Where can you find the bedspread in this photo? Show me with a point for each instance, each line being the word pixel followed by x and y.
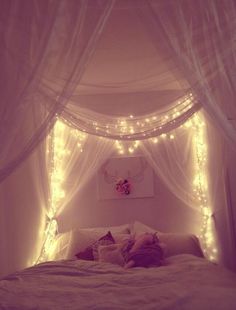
pixel 186 282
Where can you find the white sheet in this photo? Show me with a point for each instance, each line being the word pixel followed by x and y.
pixel 187 283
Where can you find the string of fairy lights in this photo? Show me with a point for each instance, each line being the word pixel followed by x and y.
pixel 59 154
pixel 200 186
pixel 133 127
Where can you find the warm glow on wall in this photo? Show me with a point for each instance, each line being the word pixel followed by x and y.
pixel 59 154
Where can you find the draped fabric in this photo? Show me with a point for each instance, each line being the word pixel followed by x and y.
pixel 45 46
pixel 83 60
pixel 124 70
pixel 73 159
pixel 172 161
pixel 201 35
pixel 81 164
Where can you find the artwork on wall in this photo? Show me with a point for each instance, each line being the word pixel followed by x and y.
pixel 125 177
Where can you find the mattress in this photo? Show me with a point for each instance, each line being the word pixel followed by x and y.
pixel 185 282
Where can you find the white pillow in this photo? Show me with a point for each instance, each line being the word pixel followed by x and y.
pixel 121 229
pixel 83 238
pixel 175 243
pixel 60 246
pixel 111 254
pixel 67 244
pixel 139 228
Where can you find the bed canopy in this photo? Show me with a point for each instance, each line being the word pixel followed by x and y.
pixel 81 80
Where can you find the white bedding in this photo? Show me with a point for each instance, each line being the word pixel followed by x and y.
pixel 188 282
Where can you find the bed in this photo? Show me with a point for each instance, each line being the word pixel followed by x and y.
pixel 185 281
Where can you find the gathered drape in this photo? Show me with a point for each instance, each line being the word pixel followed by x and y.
pixel 201 35
pixel 81 164
pixel 43 56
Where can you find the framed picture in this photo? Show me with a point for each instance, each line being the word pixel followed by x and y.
pixel 125 178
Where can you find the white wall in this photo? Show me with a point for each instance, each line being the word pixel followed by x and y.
pixel 163 211
pixel 20 219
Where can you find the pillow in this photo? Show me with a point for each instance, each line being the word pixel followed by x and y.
pixel 111 254
pixel 60 246
pixel 174 243
pixel 177 243
pixel 105 240
pixel 139 228
pixel 83 244
pixel 85 237
pixel 86 254
pixel 120 238
pixel 80 240
pixel 121 229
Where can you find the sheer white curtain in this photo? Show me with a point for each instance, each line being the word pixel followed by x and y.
pixel 172 161
pixel 45 46
pixel 73 158
pixel 219 188
pixel 80 167
pixel 201 36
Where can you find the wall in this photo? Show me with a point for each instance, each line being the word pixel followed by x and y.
pixel 20 218
pixel 163 211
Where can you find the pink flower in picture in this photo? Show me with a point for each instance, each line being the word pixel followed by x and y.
pixel 123 186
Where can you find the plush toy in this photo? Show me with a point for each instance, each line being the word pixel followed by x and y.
pixel 145 252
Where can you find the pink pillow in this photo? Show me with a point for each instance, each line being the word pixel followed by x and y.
pixel 87 254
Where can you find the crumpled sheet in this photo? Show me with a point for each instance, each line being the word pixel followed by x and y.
pixel 186 282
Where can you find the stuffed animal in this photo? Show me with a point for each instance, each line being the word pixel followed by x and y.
pixel 146 252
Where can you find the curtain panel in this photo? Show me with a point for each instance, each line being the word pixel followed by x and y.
pixel 43 43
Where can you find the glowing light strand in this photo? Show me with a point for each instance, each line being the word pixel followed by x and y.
pixel 131 128
pixel 200 177
pixel 200 186
pixel 57 154
pixel 51 224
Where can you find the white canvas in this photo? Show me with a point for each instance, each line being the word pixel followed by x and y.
pixel 133 169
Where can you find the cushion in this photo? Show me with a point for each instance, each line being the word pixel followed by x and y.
pixel 139 228
pixel 104 240
pixel 84 243
pixel 76 241
pixel 86 254
pixel 174 243
pixel 120 238
pixel 177 243
pixel 121 229
pixel 111 254
pixel 60 246
pixel 85 237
